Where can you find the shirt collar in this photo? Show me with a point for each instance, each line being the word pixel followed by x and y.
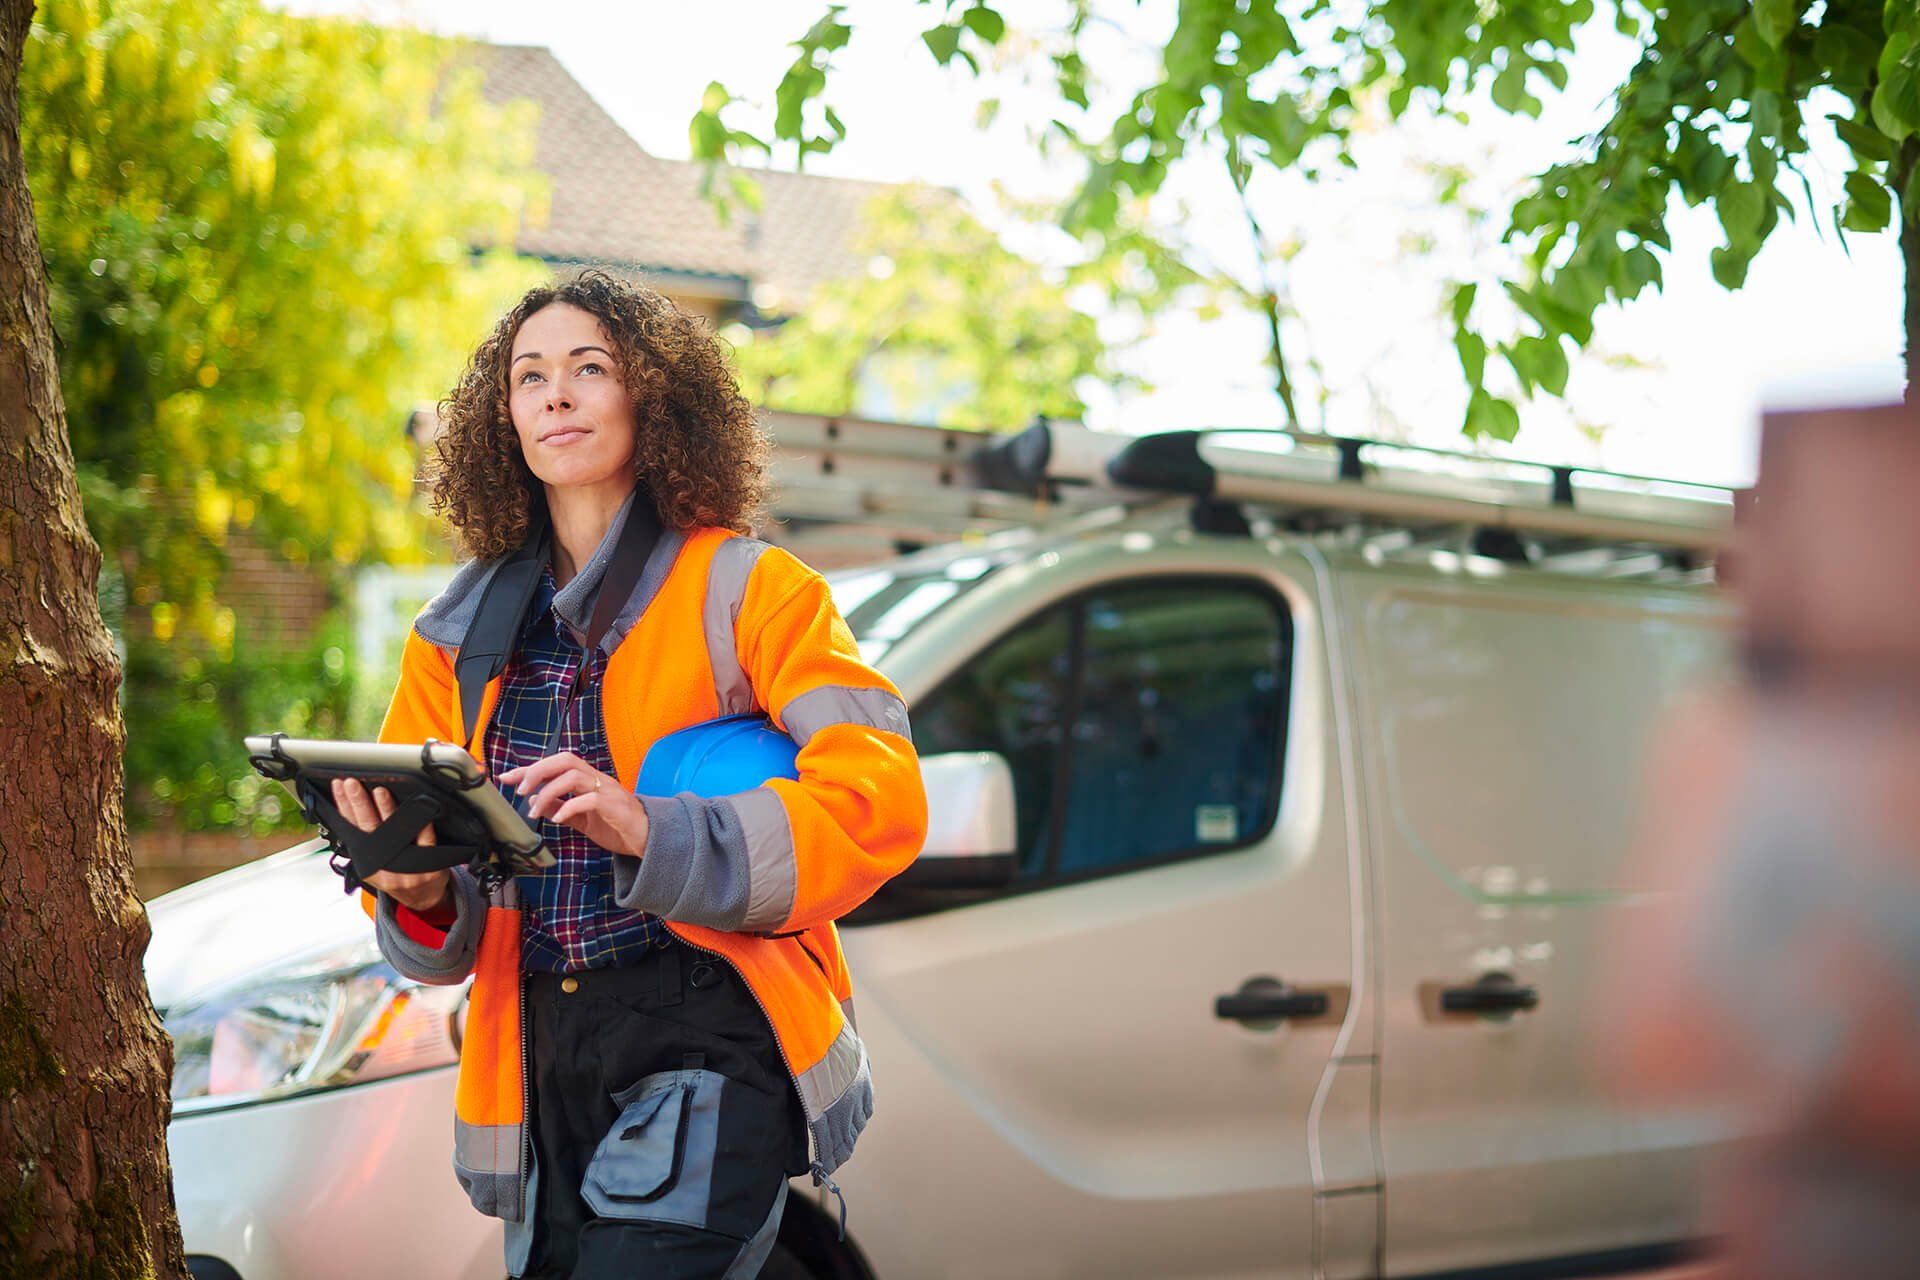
pixel 574 602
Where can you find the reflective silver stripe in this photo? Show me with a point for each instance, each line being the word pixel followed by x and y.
pixel 486 1161
pixel 727 576
pixel 815 709
pixel 772 878
pixel 754 1253
pixel 486 1148
pixel 822 1084
pixel 846 1007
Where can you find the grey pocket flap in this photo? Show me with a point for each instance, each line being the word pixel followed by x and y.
pixel 640 1156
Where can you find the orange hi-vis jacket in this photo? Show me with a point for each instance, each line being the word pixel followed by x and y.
pixel 718 624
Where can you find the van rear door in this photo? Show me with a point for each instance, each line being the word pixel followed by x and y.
pixel 1505 725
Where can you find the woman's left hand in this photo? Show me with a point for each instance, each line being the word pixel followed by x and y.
pixel 599 808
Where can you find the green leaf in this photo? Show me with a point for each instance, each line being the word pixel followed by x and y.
pixel 1633 270
pixel 706 136
pixel 1510 88
pixel 1550 364
pixel 1910 200
pixel 1742 207
pixel 1506 419
pixel 1868 143
pixel 1479 420
pixel 1776 19
pixel 1730 267
pixel 1473 356
pixel 829 33
pixel 985 23
pixel 1869 203
pixel 1462 303
pixel 943 41
pixel 1555 72
pixel 1847 53
pixel 1896 102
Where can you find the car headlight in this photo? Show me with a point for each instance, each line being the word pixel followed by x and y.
pixel 340 1018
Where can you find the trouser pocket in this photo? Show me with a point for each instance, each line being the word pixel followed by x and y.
pixel 693 1148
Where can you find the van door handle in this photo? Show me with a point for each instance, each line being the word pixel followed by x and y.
pixel 1265 1002
pixel 1493 993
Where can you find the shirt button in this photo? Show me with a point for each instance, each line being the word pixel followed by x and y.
pixel 569 984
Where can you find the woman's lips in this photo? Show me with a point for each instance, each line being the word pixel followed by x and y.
pixel 564 437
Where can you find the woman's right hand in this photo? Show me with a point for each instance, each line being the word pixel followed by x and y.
pixel 420 892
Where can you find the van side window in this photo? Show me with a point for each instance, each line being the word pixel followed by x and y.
pixel 1011 699
pixel 1179 723
pixel 1176 694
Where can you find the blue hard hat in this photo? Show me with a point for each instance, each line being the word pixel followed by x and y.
pixel 718 758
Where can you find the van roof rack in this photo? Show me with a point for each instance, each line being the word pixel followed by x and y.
pixel 918 484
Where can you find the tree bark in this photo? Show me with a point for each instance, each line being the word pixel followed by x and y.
pixel 85 1188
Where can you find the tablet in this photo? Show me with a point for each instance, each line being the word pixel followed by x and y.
pixel 473 816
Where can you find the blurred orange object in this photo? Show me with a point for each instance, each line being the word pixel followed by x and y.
pixel 1779 971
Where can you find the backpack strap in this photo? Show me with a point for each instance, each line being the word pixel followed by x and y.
pixel 496 624
pixel 495 629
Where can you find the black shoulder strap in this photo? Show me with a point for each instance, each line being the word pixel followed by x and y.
pixel 630 555
pixel 495 629
pixel 496 623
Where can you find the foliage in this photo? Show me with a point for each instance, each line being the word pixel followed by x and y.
pixel 259 237
pixel 1716 109
pixel 946 325
pixel 187 766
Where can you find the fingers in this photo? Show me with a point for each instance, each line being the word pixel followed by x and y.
pixel 576 781
pixel 367 811
pixel 350 797
pixel 384 799
pixel 528 777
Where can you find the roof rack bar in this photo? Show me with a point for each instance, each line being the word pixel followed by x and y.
pixel 850 471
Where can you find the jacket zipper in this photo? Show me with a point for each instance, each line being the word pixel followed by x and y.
pixel 526 1106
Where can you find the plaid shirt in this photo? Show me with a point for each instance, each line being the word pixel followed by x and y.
pixel 571 921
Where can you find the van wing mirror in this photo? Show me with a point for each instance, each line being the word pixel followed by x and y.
pixel 971 836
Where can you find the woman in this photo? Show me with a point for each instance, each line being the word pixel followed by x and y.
pixel 688 1042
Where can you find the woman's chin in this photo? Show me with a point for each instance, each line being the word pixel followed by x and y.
pixel 579 473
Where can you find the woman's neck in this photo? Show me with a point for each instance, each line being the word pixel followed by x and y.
pixel 581 517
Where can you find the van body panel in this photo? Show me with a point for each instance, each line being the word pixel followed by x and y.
pixel 1077 1107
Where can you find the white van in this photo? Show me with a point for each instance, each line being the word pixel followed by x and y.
pixel 1274 841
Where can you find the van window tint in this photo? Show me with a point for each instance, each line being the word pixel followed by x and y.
pixel 1176 693
pixel 1179 723
pixel 1011 699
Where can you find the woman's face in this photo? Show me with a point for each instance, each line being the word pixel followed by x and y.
pixel 568 404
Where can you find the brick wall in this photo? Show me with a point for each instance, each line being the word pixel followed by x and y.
pixel 275 604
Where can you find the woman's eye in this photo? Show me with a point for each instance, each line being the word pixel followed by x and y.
pixel 596 368
pixel 528 374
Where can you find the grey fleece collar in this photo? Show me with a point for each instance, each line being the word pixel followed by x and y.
pixel 445 620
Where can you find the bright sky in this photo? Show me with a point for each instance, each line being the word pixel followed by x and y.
pixel 1810 315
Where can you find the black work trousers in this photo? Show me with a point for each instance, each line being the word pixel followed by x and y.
pixel 665 1124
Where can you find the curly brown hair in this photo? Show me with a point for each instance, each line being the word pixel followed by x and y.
pixel 699 450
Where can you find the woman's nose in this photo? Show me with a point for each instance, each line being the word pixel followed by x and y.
pixel 558 399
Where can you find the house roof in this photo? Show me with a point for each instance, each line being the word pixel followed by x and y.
pixel 613 202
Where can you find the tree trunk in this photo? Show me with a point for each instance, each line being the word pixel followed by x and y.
pixel 85 1189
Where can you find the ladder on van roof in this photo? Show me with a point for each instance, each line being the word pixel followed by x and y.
pixel 859 488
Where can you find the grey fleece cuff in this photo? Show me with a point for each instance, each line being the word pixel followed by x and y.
pixel 694 868
pixel 453 959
